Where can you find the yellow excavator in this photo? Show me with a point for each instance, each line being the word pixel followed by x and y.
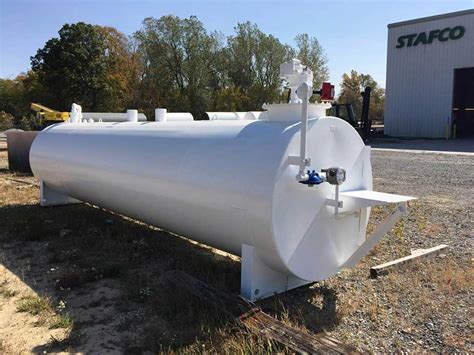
pixel 47 116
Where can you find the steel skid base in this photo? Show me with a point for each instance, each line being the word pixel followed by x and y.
pixel 49 197
pixel 259 281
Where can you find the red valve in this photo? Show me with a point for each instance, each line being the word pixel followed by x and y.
pixel 327 92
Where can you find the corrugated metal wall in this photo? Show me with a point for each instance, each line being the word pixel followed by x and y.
pixel 419 84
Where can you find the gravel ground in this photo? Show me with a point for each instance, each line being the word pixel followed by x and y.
pixel 427 308
pixel 444 185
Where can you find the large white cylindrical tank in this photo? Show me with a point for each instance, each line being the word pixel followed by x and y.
pixel 224 116
pixel 110 116
pixel 240 115
pixel 252 115
pixel 162 115
pixel 179 116
pixel 222 183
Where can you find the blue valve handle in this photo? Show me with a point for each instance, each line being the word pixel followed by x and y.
pixel 314 178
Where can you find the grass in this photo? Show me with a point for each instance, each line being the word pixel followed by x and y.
pixel 7 292
pixel 34 305
pixel 43 308
pixel 64 321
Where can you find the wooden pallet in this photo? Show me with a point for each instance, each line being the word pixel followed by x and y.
pixel 253 319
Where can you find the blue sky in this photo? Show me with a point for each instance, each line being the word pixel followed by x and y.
pixel 353 33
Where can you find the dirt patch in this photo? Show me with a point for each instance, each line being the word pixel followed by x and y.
pixel 22 331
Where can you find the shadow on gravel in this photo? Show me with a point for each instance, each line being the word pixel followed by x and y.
pixel 107 268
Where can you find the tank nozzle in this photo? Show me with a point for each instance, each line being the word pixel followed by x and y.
pixel 334 176
pixel 302 176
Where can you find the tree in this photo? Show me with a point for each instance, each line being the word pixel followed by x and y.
pixel 74 68
pixel 311 53
pixel 15 97
pixel 253 65
pixel 229 99
pixel 170 62
pixel 6 121
pixel 12 94
pixel 122 69
pixel 351 87
pixel 178 57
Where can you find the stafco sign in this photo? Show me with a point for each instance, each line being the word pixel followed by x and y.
pixel 443 35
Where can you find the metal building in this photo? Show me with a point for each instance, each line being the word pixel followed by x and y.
pixel 430 77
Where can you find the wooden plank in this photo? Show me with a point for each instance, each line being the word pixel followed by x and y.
pixel 416 255
pixel 252 318
pixel 262 324
pixel 231 306
pixel 27 182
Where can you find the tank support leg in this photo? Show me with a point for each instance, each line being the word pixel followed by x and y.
pixel 259 281
pixel 49 197
pixel 381 230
